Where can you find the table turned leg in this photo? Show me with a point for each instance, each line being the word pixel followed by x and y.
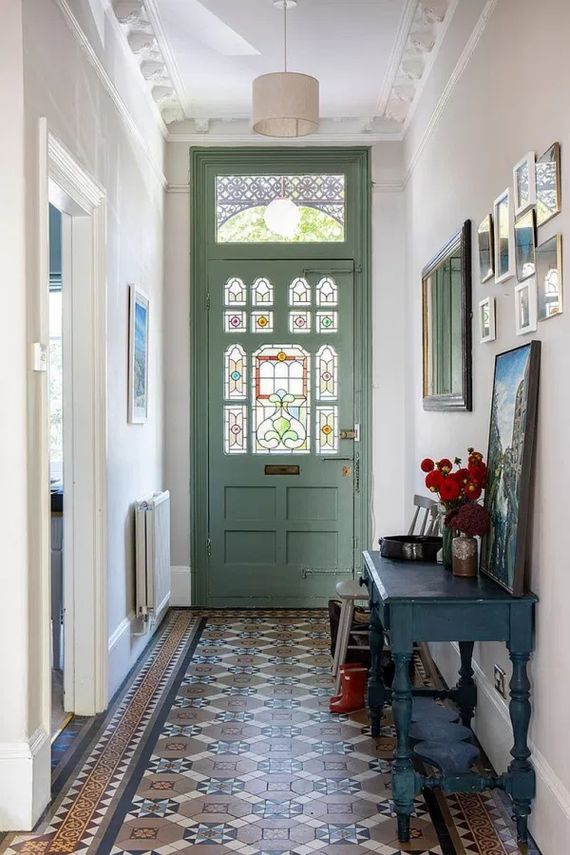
pixel 403 774
pixel 376 692
pixel 522 783
pixel 466 690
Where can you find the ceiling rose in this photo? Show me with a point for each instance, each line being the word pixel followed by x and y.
pixel 285 103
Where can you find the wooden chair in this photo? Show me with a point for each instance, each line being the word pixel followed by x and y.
pixel 350 591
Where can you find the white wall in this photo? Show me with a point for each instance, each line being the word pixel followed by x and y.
pixel 511 98
pixel 115 136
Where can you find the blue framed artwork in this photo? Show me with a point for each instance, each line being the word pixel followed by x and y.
pixel 511 441
pixel 138 356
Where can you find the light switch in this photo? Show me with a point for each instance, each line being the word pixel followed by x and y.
pixel 39 356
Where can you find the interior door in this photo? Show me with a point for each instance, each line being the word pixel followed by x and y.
pixel 281 434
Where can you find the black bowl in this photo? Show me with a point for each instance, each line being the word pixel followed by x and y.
pixel 410 547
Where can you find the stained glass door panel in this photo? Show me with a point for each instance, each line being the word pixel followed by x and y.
pixel 281 389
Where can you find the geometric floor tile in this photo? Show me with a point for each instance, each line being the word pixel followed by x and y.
pixel 223 740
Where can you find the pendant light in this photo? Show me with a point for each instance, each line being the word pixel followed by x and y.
pixel 285 103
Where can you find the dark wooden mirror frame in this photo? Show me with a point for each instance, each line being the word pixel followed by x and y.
pixel 463 400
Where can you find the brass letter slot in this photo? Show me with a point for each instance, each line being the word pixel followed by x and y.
pixel 282 470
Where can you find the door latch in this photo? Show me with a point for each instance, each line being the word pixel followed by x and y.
pixel 351 433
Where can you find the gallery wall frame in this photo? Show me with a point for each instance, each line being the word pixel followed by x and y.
pixel 525 307
pixel 486 249
pixel 548 185
pixel 487 325
pixel 524 184
pixel 504 251
pixel 138 356
pixel 549 278
pixel 512 433
pixel 525 245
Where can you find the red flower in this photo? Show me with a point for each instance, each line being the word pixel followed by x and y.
pixel 449 489
pixel 472 490
pixel 478 472
pixel 470 518
pixel 433 480
pixel 427 465
pixel 475 457
pixel 445 466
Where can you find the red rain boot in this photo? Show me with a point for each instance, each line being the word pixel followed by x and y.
pixel 354 686
pixel 347 666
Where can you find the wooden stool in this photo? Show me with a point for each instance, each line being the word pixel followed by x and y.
pixel 349 592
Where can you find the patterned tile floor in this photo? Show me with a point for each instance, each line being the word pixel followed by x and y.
pixel 223 740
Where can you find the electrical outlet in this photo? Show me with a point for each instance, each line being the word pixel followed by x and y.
pixel 501 682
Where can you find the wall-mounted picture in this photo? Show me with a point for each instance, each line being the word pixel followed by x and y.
pixel 486 246
pixel 511 439
pixel 525 245
pixel 548 184
pixel 487 331
pixel 138 356
pixel 503 242
pixel 525 306
pixel 549 278
pixel 524 184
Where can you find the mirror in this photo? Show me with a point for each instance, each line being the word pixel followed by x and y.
pixel 446 306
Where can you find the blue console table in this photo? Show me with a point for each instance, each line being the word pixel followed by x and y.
pixel 424 602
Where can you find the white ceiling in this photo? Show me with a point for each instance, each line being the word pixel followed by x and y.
pixel 199 58
pixel 219 46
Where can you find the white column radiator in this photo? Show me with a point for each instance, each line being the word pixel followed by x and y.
pixel 152 556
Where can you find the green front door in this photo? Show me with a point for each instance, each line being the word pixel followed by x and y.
pixel 282 466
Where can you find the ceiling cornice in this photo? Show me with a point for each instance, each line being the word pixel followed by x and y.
pixel 145 35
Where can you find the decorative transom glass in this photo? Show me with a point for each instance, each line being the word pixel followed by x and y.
pixel 299 322
pixel 235 322
pixel 281 399
pixel 235 292
pixel 262 292
pixel 241 202
pixel 299 292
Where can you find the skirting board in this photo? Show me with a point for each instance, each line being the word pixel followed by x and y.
pixel 126 644
pixel 180 586
pixel 550 818
pixel 24 781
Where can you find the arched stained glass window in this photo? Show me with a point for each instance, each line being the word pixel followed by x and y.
pixel 262 292
pixel 281 399
pixel 327 292
pixel 299 292
pixel 327 367
pixel 235 379
pixel 235 292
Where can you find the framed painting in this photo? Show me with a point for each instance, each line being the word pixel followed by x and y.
pixel 525 307
pixel 486 247
pixel 525 245
pixel 524 184
pixel 548 185
pixel 549 278
pixel 138 356
pixel 503 240
pixel 512 432
pixel 487 331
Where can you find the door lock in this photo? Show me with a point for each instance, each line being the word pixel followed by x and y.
pixel 351 433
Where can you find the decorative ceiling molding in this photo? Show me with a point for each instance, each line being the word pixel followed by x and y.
pixel 141 24
pixel 340 131
pixel 423 26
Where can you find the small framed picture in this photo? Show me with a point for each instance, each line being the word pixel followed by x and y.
pixel 524 184
pixel 525 245
pixel 486 244
pixel 487 320
pixel 548 184
pixel 549 278
pixel 503 241
pixel 138 356
pixel 525 306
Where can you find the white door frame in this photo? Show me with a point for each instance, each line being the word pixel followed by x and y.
pixel 64 183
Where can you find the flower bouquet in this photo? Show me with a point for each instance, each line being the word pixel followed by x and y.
pixel 458 489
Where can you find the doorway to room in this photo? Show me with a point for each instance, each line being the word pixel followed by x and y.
pixel 281 354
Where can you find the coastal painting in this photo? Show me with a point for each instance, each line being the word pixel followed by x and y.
pixel 511 440
pixel 138 356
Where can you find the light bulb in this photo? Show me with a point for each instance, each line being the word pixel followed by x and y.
pixel 282 217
